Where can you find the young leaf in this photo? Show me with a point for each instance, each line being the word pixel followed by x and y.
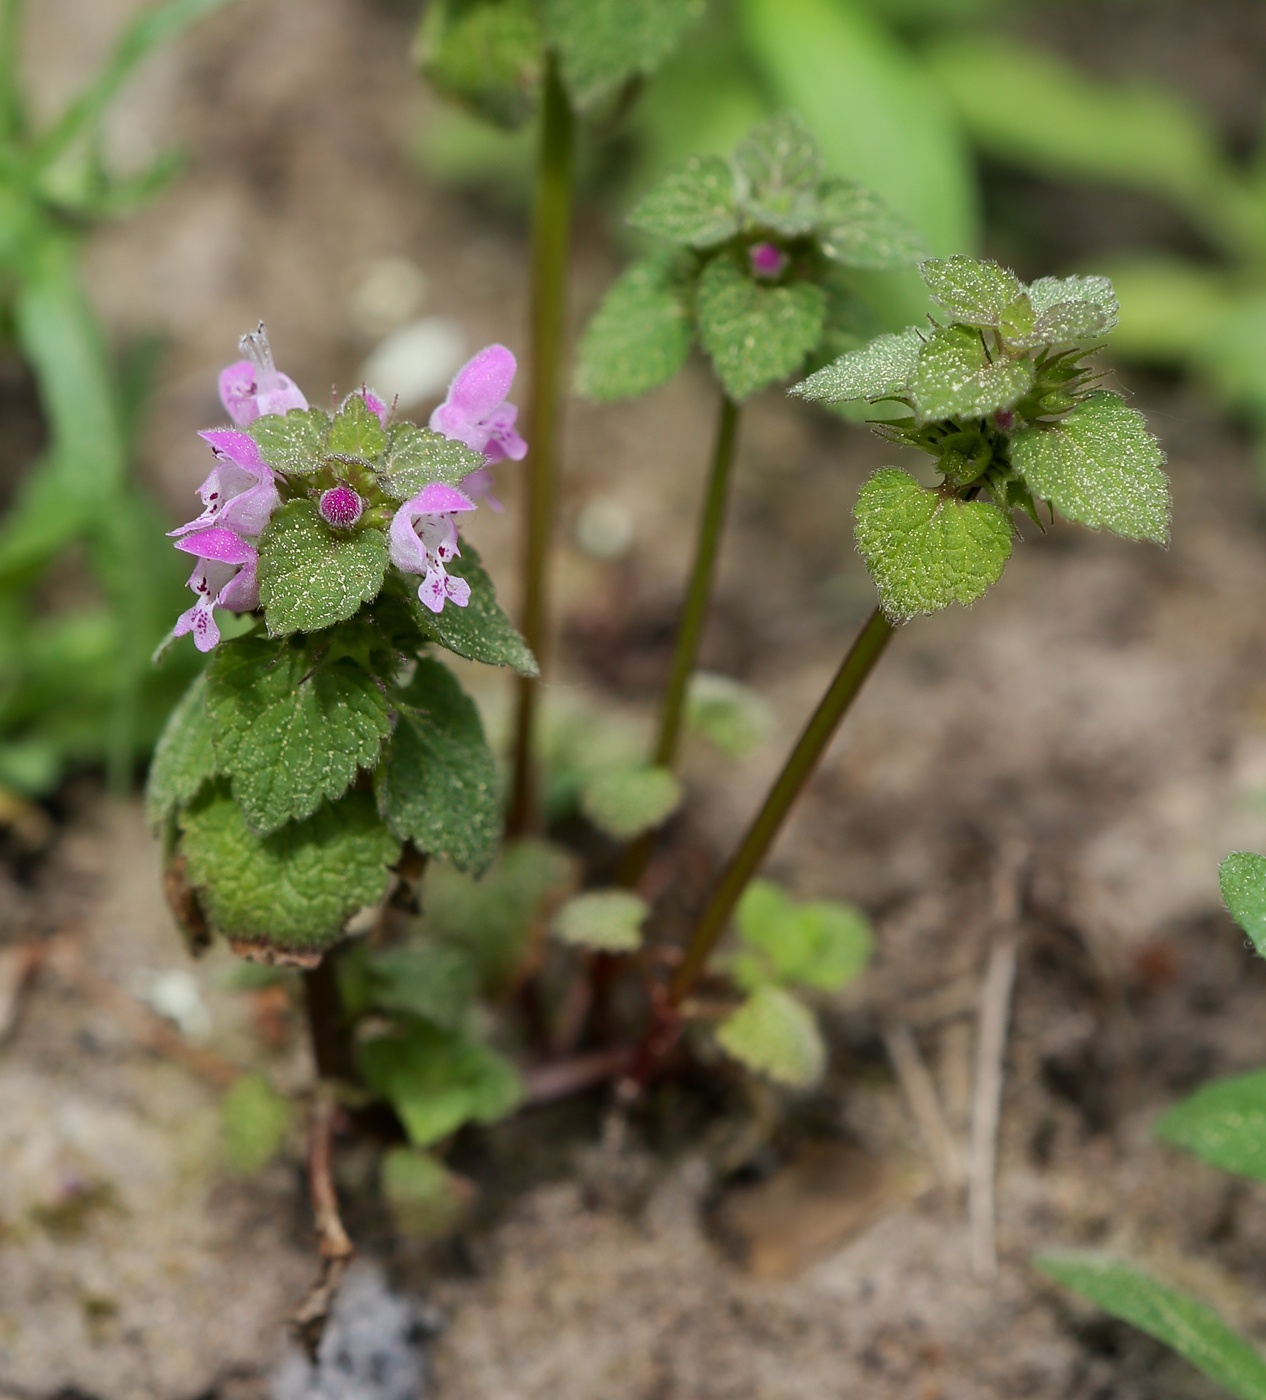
pixel 625 802
pixel 437 1080
pixel 356 432
pixel 1193 1330
pixel 183 759
pixel 639 336
pixel 926 550
pixel 1060 302
pixel 289 732
pixel 955 378
pixel 876 370
pixel 487 55
pixel 1223 1123
pixel 822 944
pixel 694 204
pixel 755 334
pixel 1243 877
pixel 296 888
pixel 480 631
pixel 974 291
pixel 437 784
pixel 608 920
pixel 254 1121
pixel 424 1197
pixel 779 168
pixel 417 457
pixel 727 713
pixel 294 442
pixel 437 984
pixel 1099 466
pixel 773 1034
pixel 309 577
pixel 858 229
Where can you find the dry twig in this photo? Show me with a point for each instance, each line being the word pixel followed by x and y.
pixel 336 1249
pixel 921 1095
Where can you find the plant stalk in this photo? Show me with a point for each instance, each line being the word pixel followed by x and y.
pixel 328 1026
pixel 551 226
pixel 856 666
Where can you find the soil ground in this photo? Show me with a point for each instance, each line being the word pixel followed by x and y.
pixel 1104 707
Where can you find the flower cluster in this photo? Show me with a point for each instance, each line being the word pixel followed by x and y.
pixel 242 491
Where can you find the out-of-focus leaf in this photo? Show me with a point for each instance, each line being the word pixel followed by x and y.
pixel 254 1121
pixel 1223 1123
pixel 1243 877
pixel 819 944
pixel 486 54
pixel 728 713
pixel 693 204
pixel 607 920
pixel 625 802
pixel 425 1199
pixel 639 336
pixel 773 1034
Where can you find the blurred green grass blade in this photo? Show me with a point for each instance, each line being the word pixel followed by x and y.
pixel 1224 1124
pixel 1193 1330
pixel 1167 307
pixel 12 113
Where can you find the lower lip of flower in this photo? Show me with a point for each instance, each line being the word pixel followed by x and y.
pixel 340 507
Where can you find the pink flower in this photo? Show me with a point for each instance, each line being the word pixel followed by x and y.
pixel 240 493
pixel 423 538
pixel 475 411
pixel 224 577
pixel 373 402
pixel 767 259
pixel 254 387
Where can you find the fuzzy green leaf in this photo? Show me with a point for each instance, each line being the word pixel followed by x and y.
pixel 1243 877
pixel 608 920
pixel 480 631
pixel 955 378
pixel 417 457
pixel 973 290
pixel 437 1080
pixel 289 733
pixel 1099 466
pixel 755 334
pixel 254 1121
pixel 293 443
pixel 876 370
pixel 779 168
pixel 356 432
pixel 820 944
pixel 926 550
pixel 773 1034
pixel 437 784
pixel 1223 1123
pixel 424 1197
pixel 309 577
pixel 1073 308
pixel 639 336
pixel 1184 1323
pixel 486 54
pixel 601 43
pixel 184 758
pixel 437 984
pixel 296 888
pixel 858 229
pixel 625 802
pixel 728 713
pixel 694 204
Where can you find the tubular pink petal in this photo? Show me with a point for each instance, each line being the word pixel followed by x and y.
pixel 437 499
pixel 482 382
pixel 237 392
pixel 240 448
pixel 224 546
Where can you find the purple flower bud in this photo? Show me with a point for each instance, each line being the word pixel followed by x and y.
pixel 340 507
pixel 768 260
pixel 1004 420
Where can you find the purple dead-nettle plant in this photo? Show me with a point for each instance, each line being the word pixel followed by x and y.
pixel 424 539
pixel 253 386
pixel 475 412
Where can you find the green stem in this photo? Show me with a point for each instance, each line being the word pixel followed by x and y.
pixel 551 226
pixel 798 769
pixel 10 94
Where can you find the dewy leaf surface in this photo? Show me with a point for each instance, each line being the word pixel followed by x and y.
pixel 976 292
pixel 858 229
pixel 481 631
pixel 773 1034
pixel 693 204
pixel 1243 877
pixel 293 889
pixel 602 42
pixel 356 432
pixel 417 457
pixel 310 578
pixel 925 550
pixel 184 758
pixel 1048 293
pixel 779 168
pixel 882 367
pixel 1223 1123
pixel 1184 1323
pixel 955 378
pixel 608 920
pixel 438 782
pixel 755 335
pixel 1099 466
pixel 639 336
pixel 289 733
pixel 293 443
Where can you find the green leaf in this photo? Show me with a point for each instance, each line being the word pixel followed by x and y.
pixel 480 631
pixel 1223 1123
pixel 625 802
pixel 184 758
pixel 296 888
pixel 779 168
pixel 1099 466
pixel 857 228
pixel 290 732
pixel 309 577
pixel 424 1197
pixel 437 984
pixel 293 442
pixel 773 1034
pixel 437 1080
pixel 694 204
pixel 254 1121
pixel 975 291
pixel 728 714
pixel 755 334
pixel 608 920
pixel 1048 293
pixel 639 336
pixel 819 944
pixel 601 43
pixel 926 550
pixel 487 55
pixel 417 457
pixel 437 785
pixel 356 432
pixel 955 378
pixel 1184 1323
pixel 1243 877
pixel 875 371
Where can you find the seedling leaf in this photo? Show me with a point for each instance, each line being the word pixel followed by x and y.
pixel 607 920
pixel 254 1121
pixel 773 1034
pixel 822 945
pixel 625 802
